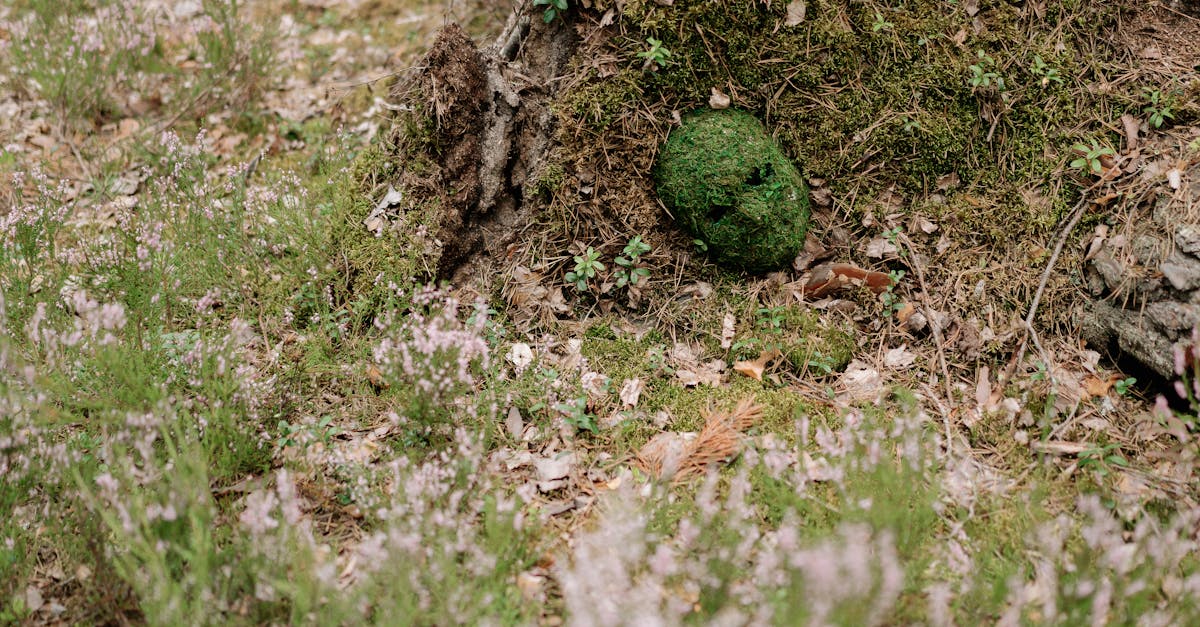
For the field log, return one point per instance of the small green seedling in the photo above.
(983, 72)
(1158, 109)
(656, 55)
(587, 266)
(881, 24)
(1123, 386)
(1045, 72)
(892, 302)
(553, 8)
(1090, 159)
(575, 413)
(629, 270)
(1101, 458)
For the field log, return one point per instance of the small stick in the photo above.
(1076, 215)
(937, 332)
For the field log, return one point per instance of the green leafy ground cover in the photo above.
(226, 398)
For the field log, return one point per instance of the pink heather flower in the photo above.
(257, 515)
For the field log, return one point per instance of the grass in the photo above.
(225, 399)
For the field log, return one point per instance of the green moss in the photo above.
(871, 108)
(402, 256)
(730, 185)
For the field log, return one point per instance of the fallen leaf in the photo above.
(905, 312)
(552, 472)
(728, 330)
(879, 247)
(514, 424)
(33, 599)
(520, 355)
(1175, 178)
(796, 10)
(827, 278)
(1098, 387)
(1131, 125)
(375, 377)
(718, 100)
(631, 391)
(861, 382)
(755, 368)
(899, 358)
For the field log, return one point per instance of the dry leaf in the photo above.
(1098, 387)
(520, 355)
(375, 377)
(755, 368)
(905, 312)
(1131, 125)
(861, 382)
(796, 10)
(879, 247)
(513, 423)
(1175, 178)
(827, 278)
(728, 330)
(718, 100)
(631, 391)
(899, 358)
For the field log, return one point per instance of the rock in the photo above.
(728, 183)
(1182, 271)
(1173, 318)
(1187, 238)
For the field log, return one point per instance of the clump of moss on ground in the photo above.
(874, 98)
(728, 183)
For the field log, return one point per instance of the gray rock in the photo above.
(1187, 238)
(1173, 318)
(1182, 271)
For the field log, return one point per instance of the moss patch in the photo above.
(730, 185)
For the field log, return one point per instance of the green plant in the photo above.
(1159, 108)
(1045, 72)
(1123, 386)
(881, 24)
(554, 8)
(629, 265)
(587, 266)
(983, 72)
(1090, 157)
(892, 302)
(657, 55)
(575, 413)
(1099, 459)
(290, 433)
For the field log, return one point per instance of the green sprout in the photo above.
(1158, 108)
(553, 8)
(656, 55)
(1090, 159)
(587, 266)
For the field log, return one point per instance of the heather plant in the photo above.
(80, 60)
(433, 356)
(92, 61)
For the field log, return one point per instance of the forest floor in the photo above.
(229, 392)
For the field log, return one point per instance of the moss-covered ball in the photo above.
(728, 183)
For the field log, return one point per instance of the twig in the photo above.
(936, 329)
(1076, 215)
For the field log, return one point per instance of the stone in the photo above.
(1173, 318)
(728, 183)
(1187, 238)
(1183, 272)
